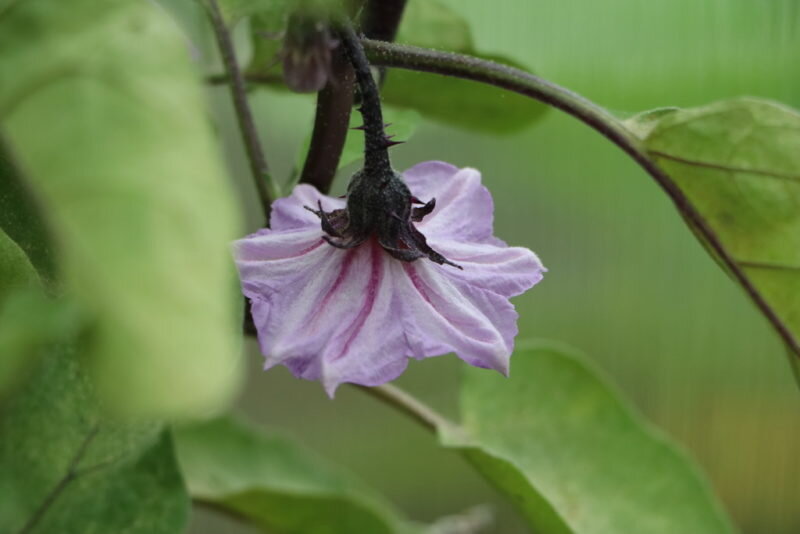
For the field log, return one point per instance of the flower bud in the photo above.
(306, 52)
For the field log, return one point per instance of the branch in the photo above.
(407, 404)
(505, 77)
(252, 145)
(380, 20)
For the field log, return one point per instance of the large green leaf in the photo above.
(738, 163)
(66, 468)
(573, 456)
(274, 483)
(102, 108)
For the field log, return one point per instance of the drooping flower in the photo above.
(345, 295)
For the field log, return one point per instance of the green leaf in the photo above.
(403, 124)
(432, 24)
(738, 163)
(573, 456)
(65, 467)
(274, 483)
(29, 324)
(107, 120)
(462, 103)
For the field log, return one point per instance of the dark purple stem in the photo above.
(376, 153)
(332, 120)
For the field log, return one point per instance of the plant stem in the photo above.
(409, 405)
(470, 68)
(380, 21)
(376, 153)
(247, 126)
(332, 120)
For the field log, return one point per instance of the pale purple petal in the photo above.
(322, 311)
(464, 208)
(368, 346)
(289, 213)
(508, 271)
(442, 315)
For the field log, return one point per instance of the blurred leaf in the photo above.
(403, 124)
(275, 484)
(432, 24)
(108, 122)
(18, 279)
(573, 456)
(738, 163)
(462, 103)
(16, 270)
(29, 323)
(273, 14)
(20, 218)
(65, 468)
(273, 11)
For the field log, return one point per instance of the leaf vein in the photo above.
(727, 168)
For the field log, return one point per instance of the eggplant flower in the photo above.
(341, 296)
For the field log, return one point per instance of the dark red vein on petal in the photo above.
(417, 282)
(369, 299)
(345, 269)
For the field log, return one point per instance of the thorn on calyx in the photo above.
(362, 128)
(388, 143)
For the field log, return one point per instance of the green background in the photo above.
(628, 283)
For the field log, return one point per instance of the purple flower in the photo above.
(357, 314)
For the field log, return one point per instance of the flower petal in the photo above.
(327, 314)
(507, 271)
(368, 346)
(443, 314)
(464, 209)
(289, 213)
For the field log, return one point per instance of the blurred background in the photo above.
(628, 284)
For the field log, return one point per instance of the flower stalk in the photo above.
(376, 144)
(247, 125)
